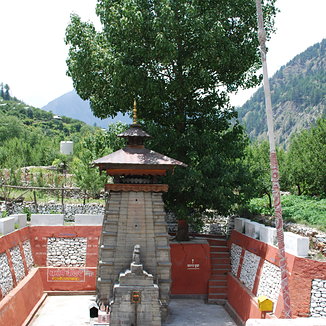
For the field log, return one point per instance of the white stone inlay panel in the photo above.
(6, 281)
(66, 252)
(318, 298)
(235, 258)
(17, 262)
(28, 254)
(249, 269)
(270, 282)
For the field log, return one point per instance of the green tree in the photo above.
(91, 147)
(179, 59)
(306, 163)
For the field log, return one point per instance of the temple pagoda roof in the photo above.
(134, 157)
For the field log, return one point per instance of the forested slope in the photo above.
(298, 97)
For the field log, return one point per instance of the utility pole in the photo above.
(274, 166)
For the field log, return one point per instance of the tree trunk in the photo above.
(183, 231)
(269, 199)
(299, 190)
(274, 166)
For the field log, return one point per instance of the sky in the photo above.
(33, 53)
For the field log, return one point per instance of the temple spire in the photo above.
(134, 113)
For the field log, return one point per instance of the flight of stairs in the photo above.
(220, 266)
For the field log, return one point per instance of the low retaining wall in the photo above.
(255, 271)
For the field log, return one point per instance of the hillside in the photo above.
(31, 136)
(298, 97)
(71, 105)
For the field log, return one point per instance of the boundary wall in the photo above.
(255, 271)
(64, 259)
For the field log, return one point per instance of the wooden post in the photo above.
(62, 199)
(35, 201)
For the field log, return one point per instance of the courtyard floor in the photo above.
(73, 310)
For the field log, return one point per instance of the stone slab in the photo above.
(239, 224)
(268, 235)
(252, 229)
(47, 219)
(7, 225)
(89, 219)
(296, 244)
(20, 219)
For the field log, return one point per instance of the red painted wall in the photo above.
(301, 273)
(18, 304)
(191, 268)
(40, 234)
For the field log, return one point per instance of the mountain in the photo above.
(298, 97)
(71, 105)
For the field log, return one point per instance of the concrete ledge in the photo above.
(7, 225)
(47, 219)
(89, 219)
(296, 244)
(239, 224)
(268, 235)
(287, 322)
(20, 219)
(252, 229)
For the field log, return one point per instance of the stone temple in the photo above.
(136, 291)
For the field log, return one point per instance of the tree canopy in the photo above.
(179, 59)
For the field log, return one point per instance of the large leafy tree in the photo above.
(305, 163)
(179, 59)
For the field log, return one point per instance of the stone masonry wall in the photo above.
(249, 269)
(270, 281)
(66, 252)
(235, 258)
(6, 281)
(17, 262)
(318, 298)
(28, 254)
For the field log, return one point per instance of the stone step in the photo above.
(217, 272)
(220, 260)
(215, 249)
(218, 277)
(222, 296)
(221, 282)
(221, 302)
(223, 254)
(217, 242)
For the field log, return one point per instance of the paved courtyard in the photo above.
(73, 311)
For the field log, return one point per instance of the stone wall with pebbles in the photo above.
(270, 281)
(17, 262)
(318, 298)
(6, 281)
(66, 252)
(28, 254)
(235, 258)
(69, 209)
(249, 269)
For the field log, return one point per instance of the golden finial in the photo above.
(134, 112)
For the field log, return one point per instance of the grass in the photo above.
(306, 210)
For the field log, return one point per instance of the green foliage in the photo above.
(93, 146)
(297, 209)
(28, 212)
(303, 209)
(305, 161)
(178, 59)
(4, 214)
